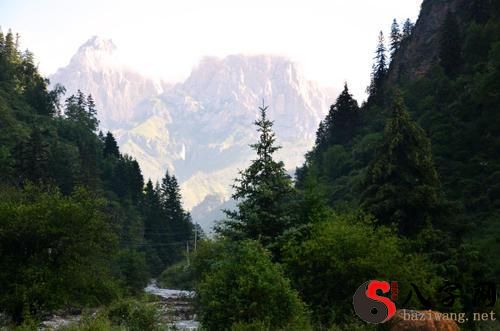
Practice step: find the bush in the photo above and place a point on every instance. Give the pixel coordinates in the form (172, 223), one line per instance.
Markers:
(241, 288)
(178, 276)
(54, 251)
(342, 253)
(132, 270)
(91, 323)
(134, 315)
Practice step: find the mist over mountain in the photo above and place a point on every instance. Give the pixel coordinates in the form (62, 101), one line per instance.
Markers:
(199, 129)
(96, 68)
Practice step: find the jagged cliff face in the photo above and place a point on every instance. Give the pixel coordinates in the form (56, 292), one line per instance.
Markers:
(95, 69)
(421, 51)
(201, 128)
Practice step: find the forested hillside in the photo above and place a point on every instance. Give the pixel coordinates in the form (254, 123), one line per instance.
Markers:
(78, 225)
(423, 151)
(403, 186)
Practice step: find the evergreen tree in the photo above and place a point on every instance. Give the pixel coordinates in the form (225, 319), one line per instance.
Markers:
(10, 51)
(321, 136)
(136, 180)
(151, 208)
(396, 37)
(262, 192)
(2, 41)
(407, 29)
(92, 112)
(401, 185)
(450, 49)
(176, 220)
(110, 146)
(342, 118)
(171, 197)
(119, 179)
(33, 157)
(81, 109)
(379, 69)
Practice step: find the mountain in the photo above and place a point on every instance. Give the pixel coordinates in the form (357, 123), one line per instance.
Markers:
(96, 69)
(200, 129)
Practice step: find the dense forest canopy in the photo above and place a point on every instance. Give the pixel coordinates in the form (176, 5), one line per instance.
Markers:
(78, 225)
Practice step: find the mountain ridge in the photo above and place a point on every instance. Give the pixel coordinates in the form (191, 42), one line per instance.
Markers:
(200, 129)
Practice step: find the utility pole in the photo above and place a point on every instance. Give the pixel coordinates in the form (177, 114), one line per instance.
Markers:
(195, 235)
(187, 252)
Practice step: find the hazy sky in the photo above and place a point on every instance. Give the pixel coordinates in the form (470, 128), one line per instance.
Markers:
(332, 40)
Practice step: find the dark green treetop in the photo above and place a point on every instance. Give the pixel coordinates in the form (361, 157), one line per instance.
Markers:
(262, 191)
(401, 186)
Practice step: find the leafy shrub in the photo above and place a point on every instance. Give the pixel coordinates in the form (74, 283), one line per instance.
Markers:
(178, 276)
(54, 250)
(133, 314)
(132, 270)
(342, 253)
(240, 287)
(91, 323)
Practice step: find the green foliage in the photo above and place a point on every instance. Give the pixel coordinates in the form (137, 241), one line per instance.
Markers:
(379, 71)
(54, 250)
(134, 315)
(77, 236)
(110, 146)
(340, 123)
(91, 323)
(239, 285)
(168, 226)
(450, 46)
(401, 185)
(396, 37)
(342, 252)
(262, 191)
(178, 276)
(132, 270)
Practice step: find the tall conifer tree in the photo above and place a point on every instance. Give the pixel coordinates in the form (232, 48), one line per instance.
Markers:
(342, 118)
(262, 192)
(401, 184)
(395, 37)
(379, 68)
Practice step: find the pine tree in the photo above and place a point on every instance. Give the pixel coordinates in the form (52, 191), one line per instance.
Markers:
(175, 214)
(135, 180)
(2, 42)
(321, 137)
(342, 118)
(407, 29)
(396, 37)
(110, 146)
(81, 109)
(10, 50)
(379, 69)
(450, 50)
(401, 185)
(176, 226)
(33, 156)
(170, 197)
(262, 192)
(92, 113)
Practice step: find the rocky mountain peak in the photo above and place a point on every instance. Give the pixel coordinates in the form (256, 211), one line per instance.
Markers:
(99, 43)
(96, 69)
